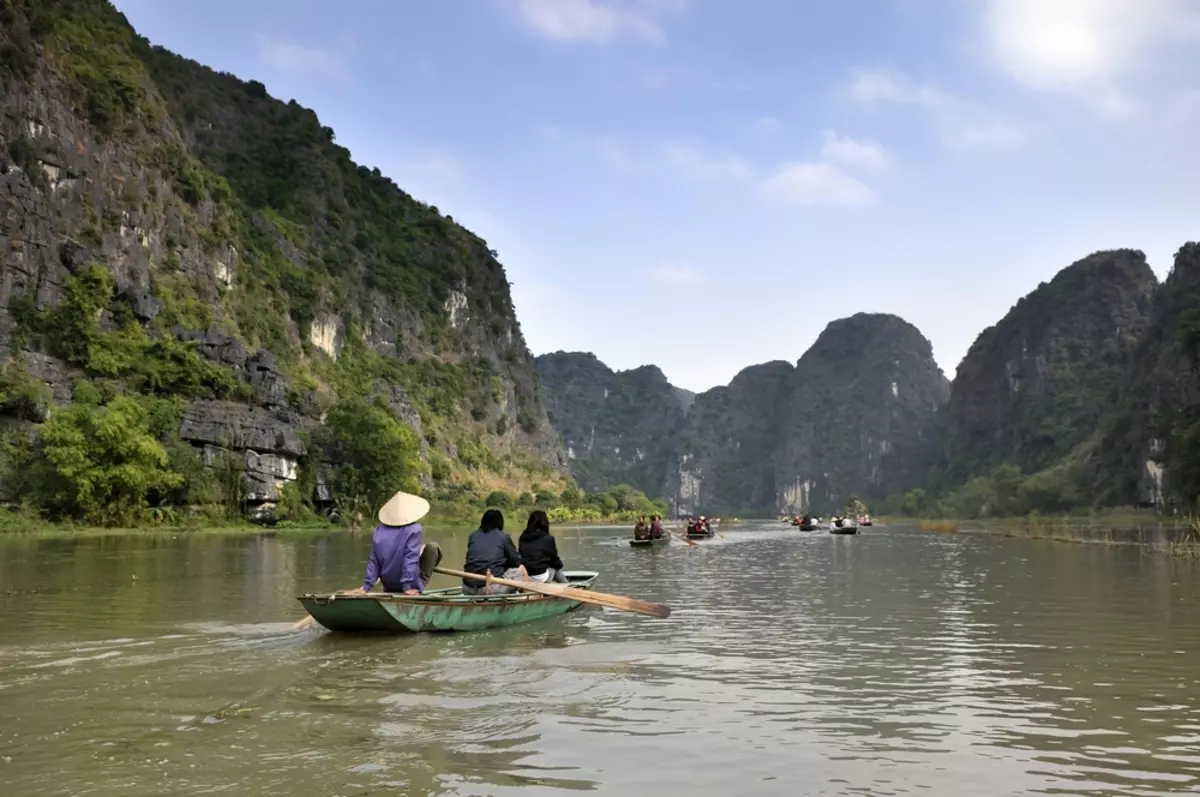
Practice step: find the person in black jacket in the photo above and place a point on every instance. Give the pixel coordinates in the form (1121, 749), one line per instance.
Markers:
(539, 551)
(490, 550)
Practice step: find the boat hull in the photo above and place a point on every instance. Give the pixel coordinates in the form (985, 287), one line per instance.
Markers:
(651, 543)
(437, 610)
(844, 530)
(698, 535)
(812, 527)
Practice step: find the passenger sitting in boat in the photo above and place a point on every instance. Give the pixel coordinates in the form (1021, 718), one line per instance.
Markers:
(539, 551)
(656, 527)
(490, 550)
(398, 560)
(691, 526)
(641, 531)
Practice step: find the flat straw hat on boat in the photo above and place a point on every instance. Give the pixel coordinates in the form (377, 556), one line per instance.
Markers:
(402, 509)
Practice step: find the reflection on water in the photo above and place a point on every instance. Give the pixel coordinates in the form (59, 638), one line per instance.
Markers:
(888, 663)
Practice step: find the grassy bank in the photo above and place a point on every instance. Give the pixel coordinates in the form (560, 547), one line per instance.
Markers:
(1175, 535)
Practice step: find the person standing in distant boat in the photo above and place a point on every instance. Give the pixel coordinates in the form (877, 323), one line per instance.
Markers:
(398, 558)
(490, 550)
(539, 551)
(656, 528)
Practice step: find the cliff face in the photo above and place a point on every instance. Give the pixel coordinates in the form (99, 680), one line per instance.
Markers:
(1035, 386)
(247, 267)
(1155, 389)
(857, 416)
(721, 459)
(864, 415)
(614, 425)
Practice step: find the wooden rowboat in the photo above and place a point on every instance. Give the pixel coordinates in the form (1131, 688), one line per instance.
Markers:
(438, 609)
(843, 530)
(650, 542)
(808, 527)
(699, 535)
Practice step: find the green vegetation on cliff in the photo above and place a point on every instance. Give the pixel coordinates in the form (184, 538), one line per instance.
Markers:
(189, 242)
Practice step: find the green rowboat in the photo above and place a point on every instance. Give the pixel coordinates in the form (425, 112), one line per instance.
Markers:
(654, 542)
(438, 609)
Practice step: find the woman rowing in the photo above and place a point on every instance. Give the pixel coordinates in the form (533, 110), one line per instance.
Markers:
(398, 558)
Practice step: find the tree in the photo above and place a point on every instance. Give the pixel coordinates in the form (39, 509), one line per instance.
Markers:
(374, 454)
(100, 464)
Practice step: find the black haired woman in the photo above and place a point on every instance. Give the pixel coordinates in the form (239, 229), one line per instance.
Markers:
(539, 551)
(490, 550)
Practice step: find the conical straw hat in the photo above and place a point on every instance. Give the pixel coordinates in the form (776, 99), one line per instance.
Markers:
(402, 509)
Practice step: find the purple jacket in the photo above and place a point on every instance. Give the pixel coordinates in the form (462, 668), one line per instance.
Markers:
(395, 558)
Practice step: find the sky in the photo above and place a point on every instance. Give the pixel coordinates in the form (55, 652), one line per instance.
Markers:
(705, 184)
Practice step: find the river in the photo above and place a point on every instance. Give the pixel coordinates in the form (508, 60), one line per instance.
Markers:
(894, 662)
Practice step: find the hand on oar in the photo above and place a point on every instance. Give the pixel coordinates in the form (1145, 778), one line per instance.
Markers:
(307, 621)
(571, 593)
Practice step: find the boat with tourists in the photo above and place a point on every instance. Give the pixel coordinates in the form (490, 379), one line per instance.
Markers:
(439, 609)
(865, 520)
(842, 525)
(650, 542)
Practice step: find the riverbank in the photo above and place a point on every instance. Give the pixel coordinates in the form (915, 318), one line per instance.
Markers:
(18, 522)
(1175, 535)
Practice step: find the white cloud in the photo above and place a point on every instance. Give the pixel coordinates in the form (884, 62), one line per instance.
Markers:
(677, 276)
(1093, 49)
(854, 153)
(877, 86)
(768, 123)
(962, 125)
(1076, 43)
(816, 183)
(698, 164)
(298, 59)
(983, 133)
(597, 21)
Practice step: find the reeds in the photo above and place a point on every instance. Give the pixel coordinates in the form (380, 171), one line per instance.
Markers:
(941, 526)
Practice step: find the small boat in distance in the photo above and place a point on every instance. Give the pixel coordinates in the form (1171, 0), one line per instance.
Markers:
(438, 610)
(865, 520)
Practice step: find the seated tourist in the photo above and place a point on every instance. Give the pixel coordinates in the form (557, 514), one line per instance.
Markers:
(539, 551)
(490, 550)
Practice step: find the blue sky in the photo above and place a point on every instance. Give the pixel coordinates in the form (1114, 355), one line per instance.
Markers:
(705, 184)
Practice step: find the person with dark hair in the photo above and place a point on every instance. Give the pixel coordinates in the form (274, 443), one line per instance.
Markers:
(656, 527)
(539, 551)
(641, 531)
(490, 550)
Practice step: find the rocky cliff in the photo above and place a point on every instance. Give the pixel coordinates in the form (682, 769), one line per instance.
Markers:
(1036, 385)
(864, 415)
(1156, 389)
(614, 425)
(174, 233)
(857, 416)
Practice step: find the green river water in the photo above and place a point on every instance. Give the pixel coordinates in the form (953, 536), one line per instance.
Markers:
(892, 663)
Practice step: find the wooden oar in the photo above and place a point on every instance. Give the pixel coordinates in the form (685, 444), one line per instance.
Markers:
(572, 593)
(681, 536)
